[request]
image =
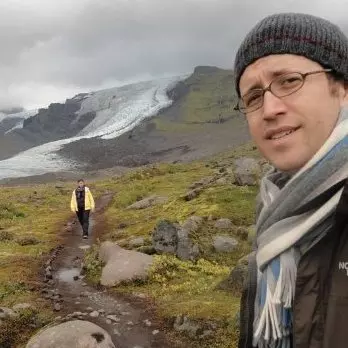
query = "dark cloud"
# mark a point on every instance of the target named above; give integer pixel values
(53, 49)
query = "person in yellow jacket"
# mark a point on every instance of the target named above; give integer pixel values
(82, 203)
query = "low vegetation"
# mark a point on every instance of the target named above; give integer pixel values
(208, 97)
(185, 287)
(16, 331)
(30, 220)
(33, 216)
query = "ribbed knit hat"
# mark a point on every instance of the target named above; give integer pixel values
(294, 33)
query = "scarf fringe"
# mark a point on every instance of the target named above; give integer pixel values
(270, 325)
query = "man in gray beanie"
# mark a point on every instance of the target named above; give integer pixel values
(291, 74)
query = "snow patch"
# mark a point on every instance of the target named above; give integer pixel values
(21, 115)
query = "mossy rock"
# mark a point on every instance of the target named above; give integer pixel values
(27, 240)
(6, 236)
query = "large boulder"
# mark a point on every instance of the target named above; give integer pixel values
(247, 172)
(165, 237)
(237, 277)
(137, 242)
(186, 249)
(192, 224)
(122, 265)
(176, 239)
(223, 224)
(224, 244)
(72, 334)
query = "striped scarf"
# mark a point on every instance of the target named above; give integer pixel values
(294, 214)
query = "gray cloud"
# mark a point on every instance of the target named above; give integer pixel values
(53, 49)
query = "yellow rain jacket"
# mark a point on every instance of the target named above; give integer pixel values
(89, 201)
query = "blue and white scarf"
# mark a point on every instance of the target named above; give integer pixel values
(291, 219)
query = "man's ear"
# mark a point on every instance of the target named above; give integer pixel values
(344, 94)
(345, 85)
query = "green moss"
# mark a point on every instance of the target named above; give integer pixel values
(187, 288)
(92, 265)
(15, 332)
(165, 180)
(181, 287)
(10, 212)
(178, 287)
(33, 217)
(233, 202)
(12, 290)
(225, 201)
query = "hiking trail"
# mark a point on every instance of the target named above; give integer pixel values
(129, 320)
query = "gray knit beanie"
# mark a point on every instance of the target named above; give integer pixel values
(295, 33)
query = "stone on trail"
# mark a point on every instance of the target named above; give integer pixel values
(72, 334)
(57, 307)
(84, 247)
(94, 314)
(122, 265)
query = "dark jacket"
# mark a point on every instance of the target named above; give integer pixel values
(321, 295)
(80, 198)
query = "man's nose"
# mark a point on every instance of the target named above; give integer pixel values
(272, 105)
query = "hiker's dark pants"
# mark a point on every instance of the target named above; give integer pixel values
(83, 216)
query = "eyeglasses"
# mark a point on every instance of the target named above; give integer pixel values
(281, 86)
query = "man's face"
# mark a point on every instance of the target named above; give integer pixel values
(81, 184)
(288, 131)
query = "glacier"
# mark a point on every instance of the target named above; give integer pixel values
(118, 110)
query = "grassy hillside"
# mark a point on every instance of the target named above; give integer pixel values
(32, 217)
(30, 220)
(185, 287)
(207, 97)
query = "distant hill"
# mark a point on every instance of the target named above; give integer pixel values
(200, 122)
(176, 119)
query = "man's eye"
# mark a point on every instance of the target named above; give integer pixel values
(252, 99)
(290, 81)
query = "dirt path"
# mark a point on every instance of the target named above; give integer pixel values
(130, 324)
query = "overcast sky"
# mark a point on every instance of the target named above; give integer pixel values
(53, 49)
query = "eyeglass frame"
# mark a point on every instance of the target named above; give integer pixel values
(268, 88)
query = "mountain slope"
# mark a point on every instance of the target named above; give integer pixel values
(105, 113)
(194, 118)
(200, 122)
